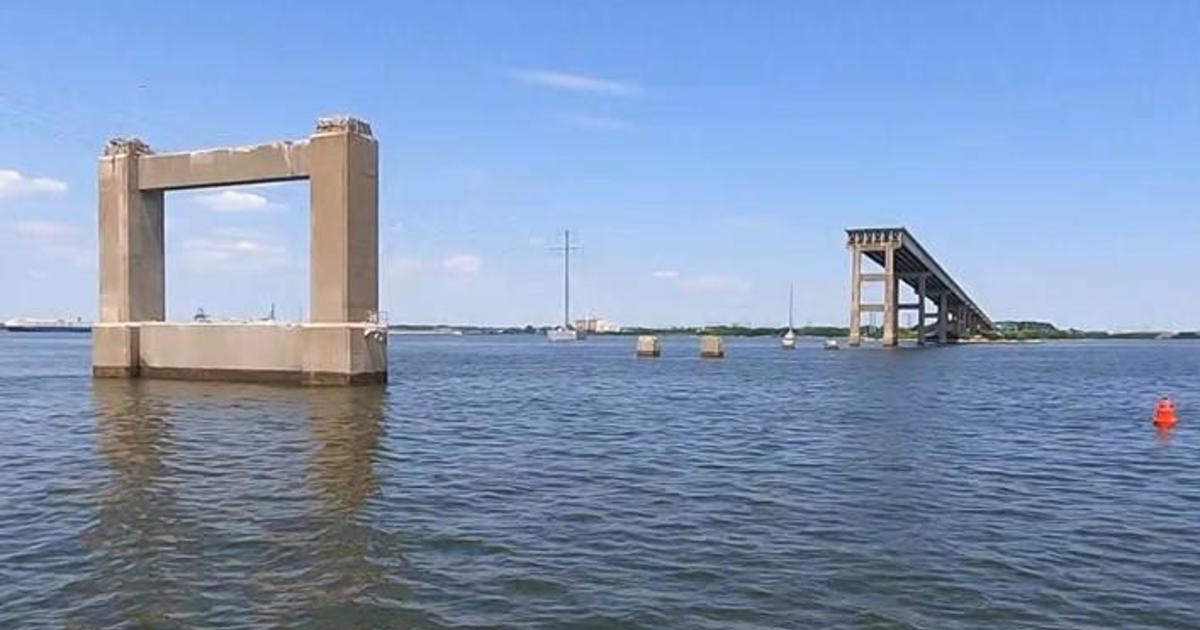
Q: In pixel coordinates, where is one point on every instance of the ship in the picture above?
(30, 324)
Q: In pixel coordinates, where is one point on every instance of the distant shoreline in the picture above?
(1009, 334)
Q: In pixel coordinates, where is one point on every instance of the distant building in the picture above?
(596, 326)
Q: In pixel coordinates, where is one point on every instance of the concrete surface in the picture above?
(343, 344)
(712, 347)
(648, 346)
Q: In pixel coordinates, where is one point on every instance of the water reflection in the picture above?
(235, 500)
(136, 511)
(354, 566)
(346, 423)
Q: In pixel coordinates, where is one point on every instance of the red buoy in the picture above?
(1164, 414)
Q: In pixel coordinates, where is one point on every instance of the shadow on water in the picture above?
(236, 503)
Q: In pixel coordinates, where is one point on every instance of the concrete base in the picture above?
(648, 346)
(712, 347)
(309, 354)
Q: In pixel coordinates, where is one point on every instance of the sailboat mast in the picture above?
(790, 288)
(566, 278)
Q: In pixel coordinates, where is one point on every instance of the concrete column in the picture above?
(132, 285)
(712, 347)
(943, 317)
(890, 297)
(921, 310)
(648, 346)
(855, 294)
(344, 206)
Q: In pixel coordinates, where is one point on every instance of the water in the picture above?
(510, 482)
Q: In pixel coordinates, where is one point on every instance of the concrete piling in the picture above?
(712, 347)
(648, 346)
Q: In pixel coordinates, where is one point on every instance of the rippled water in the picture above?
(508, 482)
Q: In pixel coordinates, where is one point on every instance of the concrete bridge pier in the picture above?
(343, 343)
(903, 260)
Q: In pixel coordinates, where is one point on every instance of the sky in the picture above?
(705, 155)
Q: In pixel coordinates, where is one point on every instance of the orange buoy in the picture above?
(1164, 414)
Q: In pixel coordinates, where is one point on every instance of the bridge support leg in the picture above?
(921, 310)
(890, 290)
(943, 316)
(855, 295)
(132, 264)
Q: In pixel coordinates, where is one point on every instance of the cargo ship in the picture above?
(28, 324)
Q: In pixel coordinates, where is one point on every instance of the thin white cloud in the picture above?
(463, 264)
(43, 229)
(558, 80)
(595, 123)
(401, 266)
(235, 201)
(57, 239)
(460, 265)
(224, 253)
(701, 283)
(14, 184)
(74, 253)
(711, 282)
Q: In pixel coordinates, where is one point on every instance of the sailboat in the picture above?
(565, 332)
(788, 341)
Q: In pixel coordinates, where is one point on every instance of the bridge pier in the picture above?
(855, 295)
(921, 310)
(902, 259)
(344, 343)
(943, 323)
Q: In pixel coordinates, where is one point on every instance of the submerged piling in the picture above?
(712, 347)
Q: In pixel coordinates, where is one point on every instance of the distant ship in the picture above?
(788, 341)
(29, 324)
(565, 332)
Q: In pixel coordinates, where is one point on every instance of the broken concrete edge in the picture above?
(126, 146)
(211, 152)
(343, 124)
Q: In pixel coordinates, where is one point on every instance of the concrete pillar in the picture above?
(712, 347)
(132, 285)
(921, 310)
(855, 295)
(943, 317)
(132, 278)
(344, 202)
(648, 346)
(890, 297)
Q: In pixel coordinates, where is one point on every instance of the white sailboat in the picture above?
(788, 340)
(565, 332)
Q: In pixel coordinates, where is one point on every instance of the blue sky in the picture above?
(707, 154)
